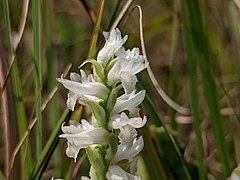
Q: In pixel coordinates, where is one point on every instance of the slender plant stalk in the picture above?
(94, 39)
(6, 121)
(38, 72)
(26, 159)
(193, 86)
(198, 46)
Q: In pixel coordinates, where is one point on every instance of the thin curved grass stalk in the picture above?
(165, 97)
(160, 91)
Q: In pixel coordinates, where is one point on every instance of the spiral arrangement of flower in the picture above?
(109, 137)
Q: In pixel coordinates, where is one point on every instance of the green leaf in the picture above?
(95, 157)
(112, 98)
(97, 68)
(98, 113)
(112, 150)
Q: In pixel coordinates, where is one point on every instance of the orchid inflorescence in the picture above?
(110, 137)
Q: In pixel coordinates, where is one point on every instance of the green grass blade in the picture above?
(94, 39)
(193, 87)
(198, 46)
(26, 159)
(155, 119)
(50, 147)
(38, 72)
(53, 112)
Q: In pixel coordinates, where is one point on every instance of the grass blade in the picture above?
(197, 49)
(26, 162)
(38, 72)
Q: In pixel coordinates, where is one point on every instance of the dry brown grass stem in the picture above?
(121, 14)
(160, 91)
(6, 121)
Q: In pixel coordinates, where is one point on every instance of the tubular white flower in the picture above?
(130, 153)
(127, 135)
(117, 121)
(117, 173)
(114, 42)
(128, 65)
(128, 102)
(82, 88)
(81, 136)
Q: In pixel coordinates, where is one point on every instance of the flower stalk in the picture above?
(110, 137)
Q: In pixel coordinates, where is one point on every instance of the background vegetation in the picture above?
(193, 50)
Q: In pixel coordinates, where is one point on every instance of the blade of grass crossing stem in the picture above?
(193, 89)
(53, 113)
(49, 148)
(199, 46)
(38, 72)
(26, 159)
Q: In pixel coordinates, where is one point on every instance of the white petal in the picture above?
(81, 136)
(117, 121)
(72, 151)
(127, 135)
(114, 42)
(132, 61)
(128, 102)
(85, 178)
(128, 80)
(117, 173)
(114, 74)
(128, 154)
(90, 88)
(72, 99)
(75, 77)
(137, 122)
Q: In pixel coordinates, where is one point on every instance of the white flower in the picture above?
(128, 65)
(130, 153)
(117, 173)
(82, 88)
(128, 102)
(120, 120)
(127, 127)
(81, 136)
(114, 42)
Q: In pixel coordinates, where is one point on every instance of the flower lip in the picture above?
(88, 88)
